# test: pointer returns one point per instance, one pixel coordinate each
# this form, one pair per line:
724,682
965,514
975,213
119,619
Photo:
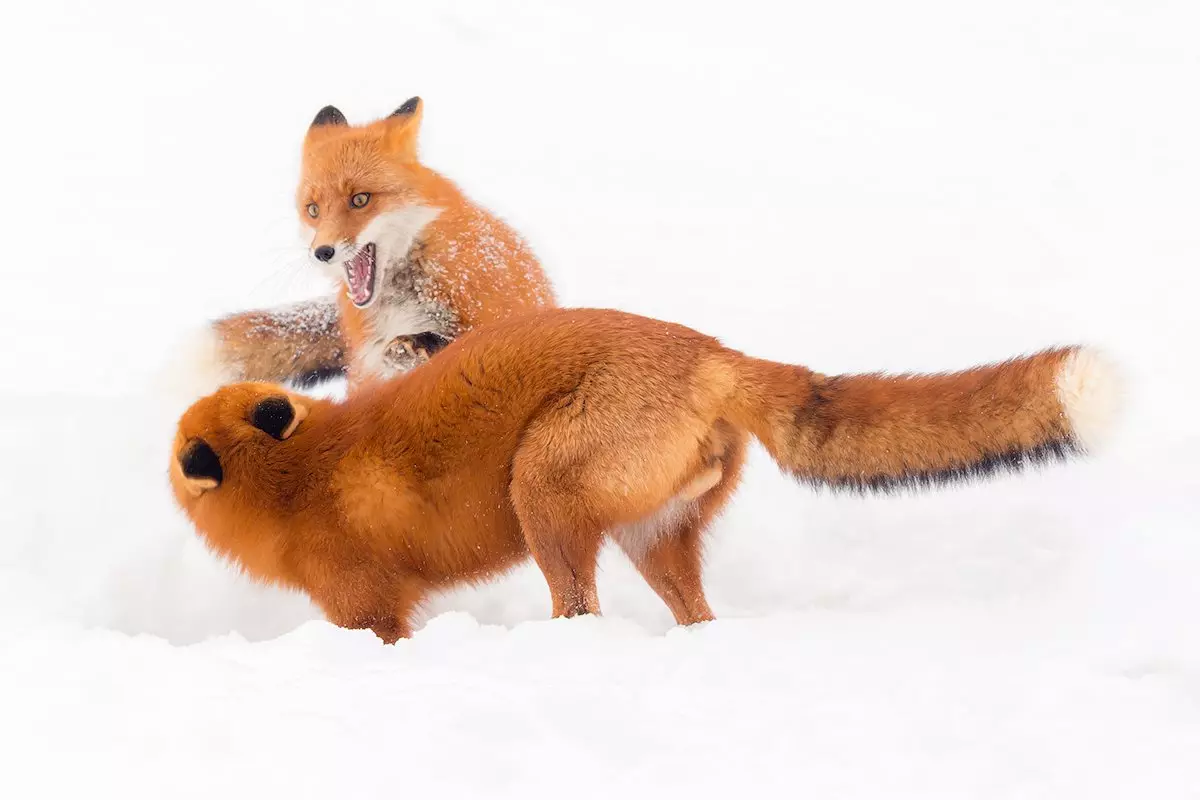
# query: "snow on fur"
861,186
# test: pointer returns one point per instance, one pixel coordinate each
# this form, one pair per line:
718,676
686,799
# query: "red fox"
416,258
545,434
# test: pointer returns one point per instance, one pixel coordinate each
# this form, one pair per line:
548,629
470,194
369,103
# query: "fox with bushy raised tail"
547,434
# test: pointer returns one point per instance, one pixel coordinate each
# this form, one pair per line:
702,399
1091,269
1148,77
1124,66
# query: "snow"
854,186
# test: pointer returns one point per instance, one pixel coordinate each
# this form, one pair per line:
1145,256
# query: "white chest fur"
392,317
400,309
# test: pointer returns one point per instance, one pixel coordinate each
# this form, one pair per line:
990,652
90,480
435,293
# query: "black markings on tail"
1010,461
818,415
307,380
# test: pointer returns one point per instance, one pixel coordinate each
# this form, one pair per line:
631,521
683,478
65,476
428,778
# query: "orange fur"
464,268
544,435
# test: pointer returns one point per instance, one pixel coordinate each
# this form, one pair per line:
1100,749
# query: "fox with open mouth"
416,264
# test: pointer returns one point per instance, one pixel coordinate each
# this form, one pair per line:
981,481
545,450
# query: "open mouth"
360,276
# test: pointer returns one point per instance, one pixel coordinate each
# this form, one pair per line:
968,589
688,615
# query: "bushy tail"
881,432
301,343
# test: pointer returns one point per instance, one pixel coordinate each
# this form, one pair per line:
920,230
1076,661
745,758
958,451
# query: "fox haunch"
547,434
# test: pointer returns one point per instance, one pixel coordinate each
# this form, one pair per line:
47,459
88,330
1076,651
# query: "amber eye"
313,210
359,200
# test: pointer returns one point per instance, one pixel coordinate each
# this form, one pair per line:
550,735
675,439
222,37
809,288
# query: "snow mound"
864,186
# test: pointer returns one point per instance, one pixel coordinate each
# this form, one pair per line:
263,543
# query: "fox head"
229,436
364,197
238,462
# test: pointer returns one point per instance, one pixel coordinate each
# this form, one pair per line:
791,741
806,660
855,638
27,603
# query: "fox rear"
545,435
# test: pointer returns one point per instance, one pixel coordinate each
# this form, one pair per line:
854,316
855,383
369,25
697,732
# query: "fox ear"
200,467
278,416
410,106
329,115
403,125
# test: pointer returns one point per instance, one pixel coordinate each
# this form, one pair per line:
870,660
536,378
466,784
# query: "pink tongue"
358,276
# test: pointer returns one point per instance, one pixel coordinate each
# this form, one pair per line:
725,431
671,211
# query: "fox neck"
404,301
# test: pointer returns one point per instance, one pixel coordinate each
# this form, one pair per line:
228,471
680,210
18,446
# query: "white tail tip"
195,369
1090,389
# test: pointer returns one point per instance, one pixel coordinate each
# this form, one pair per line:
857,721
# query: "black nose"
323,253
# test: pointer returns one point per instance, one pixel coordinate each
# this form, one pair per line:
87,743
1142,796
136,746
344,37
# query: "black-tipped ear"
199,462
410,107
275,416
329,116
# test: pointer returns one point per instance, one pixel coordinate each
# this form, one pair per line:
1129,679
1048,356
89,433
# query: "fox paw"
411,350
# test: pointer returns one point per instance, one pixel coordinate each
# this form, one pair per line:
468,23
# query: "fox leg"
566,553
570,572
575,480
562,539
411,350
390,629
388,625
673,563
673,568
382,602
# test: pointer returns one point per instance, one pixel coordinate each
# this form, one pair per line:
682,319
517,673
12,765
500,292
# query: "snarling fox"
545,434
418,263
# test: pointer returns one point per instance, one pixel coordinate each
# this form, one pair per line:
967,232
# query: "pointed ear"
410,106
200,467
327,121
328,115
403,126
278,416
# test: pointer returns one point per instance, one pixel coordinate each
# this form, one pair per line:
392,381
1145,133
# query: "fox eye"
359,200
313,210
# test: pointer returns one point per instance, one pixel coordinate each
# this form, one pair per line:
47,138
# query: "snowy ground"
852,185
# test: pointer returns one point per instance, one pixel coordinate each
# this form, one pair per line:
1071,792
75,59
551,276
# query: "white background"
853,186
